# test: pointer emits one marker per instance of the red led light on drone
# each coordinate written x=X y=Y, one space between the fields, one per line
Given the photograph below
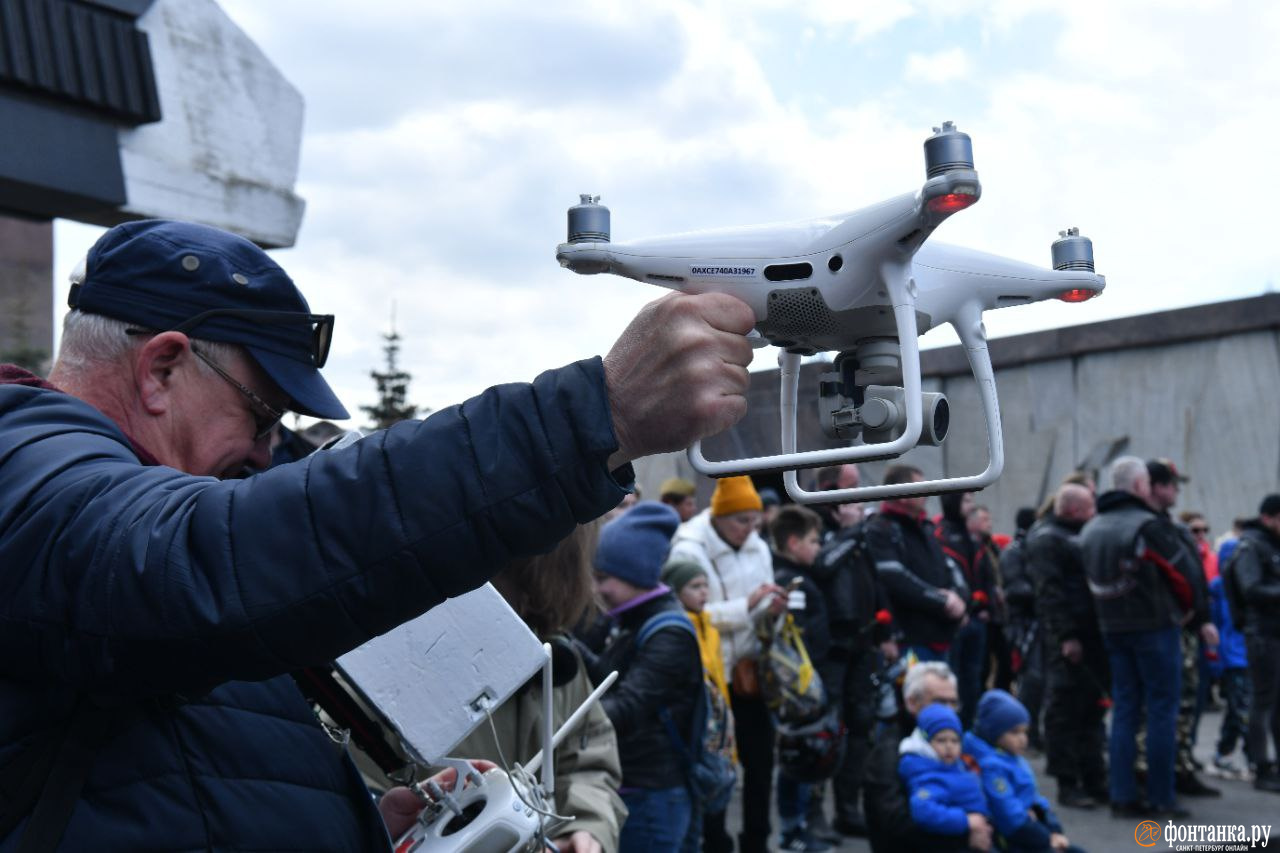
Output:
x=950 y=203
x=1077 y=295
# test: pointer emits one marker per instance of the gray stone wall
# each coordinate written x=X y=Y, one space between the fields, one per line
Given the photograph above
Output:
x=1199 y=385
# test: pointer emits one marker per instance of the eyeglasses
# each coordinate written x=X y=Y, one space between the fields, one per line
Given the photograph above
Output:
x=321 y=325
x=265 y=415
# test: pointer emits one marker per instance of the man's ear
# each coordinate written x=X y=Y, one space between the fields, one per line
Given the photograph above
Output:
x=154 y=371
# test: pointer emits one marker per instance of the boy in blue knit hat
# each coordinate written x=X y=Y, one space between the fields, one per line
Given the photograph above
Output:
x=1024 y=820
x=654 y=648
x=946 y=797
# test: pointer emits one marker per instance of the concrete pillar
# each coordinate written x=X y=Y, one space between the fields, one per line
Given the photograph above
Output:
x=26 y=293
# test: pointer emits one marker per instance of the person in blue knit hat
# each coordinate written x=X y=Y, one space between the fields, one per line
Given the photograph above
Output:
x=654 y=649
x=946 y=797
x=1024 y=820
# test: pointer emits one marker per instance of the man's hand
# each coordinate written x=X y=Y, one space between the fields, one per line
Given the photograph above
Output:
x=1058 y=841
x=1072 y=650
x=955 y=604
x=678 y=373
x=580 y=842
x=400 y=806
x=979 y=832
x=1209 y=634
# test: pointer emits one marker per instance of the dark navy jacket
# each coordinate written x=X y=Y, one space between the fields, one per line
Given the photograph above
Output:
x=188 y=598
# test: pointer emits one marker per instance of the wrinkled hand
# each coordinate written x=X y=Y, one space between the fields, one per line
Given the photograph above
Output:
x=1209 y=634
x=955 y=605
x=580 y=842
x=979 y=832
x=1072 y=650
x=678 y=373
x=1058 y=841
x=400 y=806
x=778 y=602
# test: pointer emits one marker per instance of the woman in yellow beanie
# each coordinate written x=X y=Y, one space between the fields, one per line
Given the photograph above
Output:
x=723 y=540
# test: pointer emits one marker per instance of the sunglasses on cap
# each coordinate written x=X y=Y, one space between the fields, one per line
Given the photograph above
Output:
x=321 y=325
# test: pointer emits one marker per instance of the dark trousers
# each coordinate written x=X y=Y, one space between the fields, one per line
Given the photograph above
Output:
x=1237 y=691
x=753 y=729
x=858 y=709
x=966 y=655
x=715 y=838
x=1264 y=715
x=1026 y=637
x=1074 y=734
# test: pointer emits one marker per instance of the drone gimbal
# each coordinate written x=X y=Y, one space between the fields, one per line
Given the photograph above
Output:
x=864 y=285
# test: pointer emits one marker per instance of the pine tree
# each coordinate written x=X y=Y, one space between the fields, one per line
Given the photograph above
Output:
x=393 y=386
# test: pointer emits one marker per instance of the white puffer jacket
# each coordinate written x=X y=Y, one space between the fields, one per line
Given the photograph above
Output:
x=733 y=576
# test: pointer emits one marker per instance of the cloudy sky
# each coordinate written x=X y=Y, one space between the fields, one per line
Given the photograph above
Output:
x=444 y=143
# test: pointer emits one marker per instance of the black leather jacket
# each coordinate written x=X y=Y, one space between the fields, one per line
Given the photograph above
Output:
x=665 y=672
x=915 y=574
x=1142 y=575
x=1256 y=569
x=1064 y=604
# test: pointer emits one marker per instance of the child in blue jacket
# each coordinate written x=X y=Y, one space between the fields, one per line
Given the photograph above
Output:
x=1232 y=667
x=1024 y=820
x=946 y=797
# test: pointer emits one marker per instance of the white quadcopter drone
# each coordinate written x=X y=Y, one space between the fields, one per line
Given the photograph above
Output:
x=864 y=285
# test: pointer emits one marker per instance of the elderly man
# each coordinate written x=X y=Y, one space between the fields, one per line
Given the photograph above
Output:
x=151 y=610
x=1142 y=578
x=885 y=796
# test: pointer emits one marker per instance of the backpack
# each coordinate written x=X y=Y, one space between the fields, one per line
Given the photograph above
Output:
x=707 y=754
x=789 y=681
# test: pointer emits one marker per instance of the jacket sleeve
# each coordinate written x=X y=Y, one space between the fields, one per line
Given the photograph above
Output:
x=1173 y=550
x=588 y=775
x=1251 y=577
x=1044 y=556
x=1008 y=815
x=904 y=587
x=929 y=812
x=885 y=795
x=136 y=580
x=661 y=675
x=816 y=627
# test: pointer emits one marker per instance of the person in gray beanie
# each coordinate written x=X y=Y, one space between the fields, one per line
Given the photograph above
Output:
x=654 y=649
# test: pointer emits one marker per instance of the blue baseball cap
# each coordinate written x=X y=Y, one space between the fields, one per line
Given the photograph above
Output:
x=216 y=286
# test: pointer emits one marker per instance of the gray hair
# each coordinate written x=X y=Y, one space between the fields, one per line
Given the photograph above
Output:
x=913 y=684
x=1127 y=472
x=91 y=341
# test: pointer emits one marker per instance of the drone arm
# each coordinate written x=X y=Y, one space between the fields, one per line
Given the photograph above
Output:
x=968 y=325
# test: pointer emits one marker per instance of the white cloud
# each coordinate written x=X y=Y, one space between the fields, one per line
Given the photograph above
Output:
x=941 y=67
x=445 y=143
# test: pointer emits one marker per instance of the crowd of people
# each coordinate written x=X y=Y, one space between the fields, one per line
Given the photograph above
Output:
x=156 y=599
x=936 y=639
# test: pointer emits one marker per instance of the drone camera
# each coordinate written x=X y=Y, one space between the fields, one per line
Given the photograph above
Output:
x=884 y=415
